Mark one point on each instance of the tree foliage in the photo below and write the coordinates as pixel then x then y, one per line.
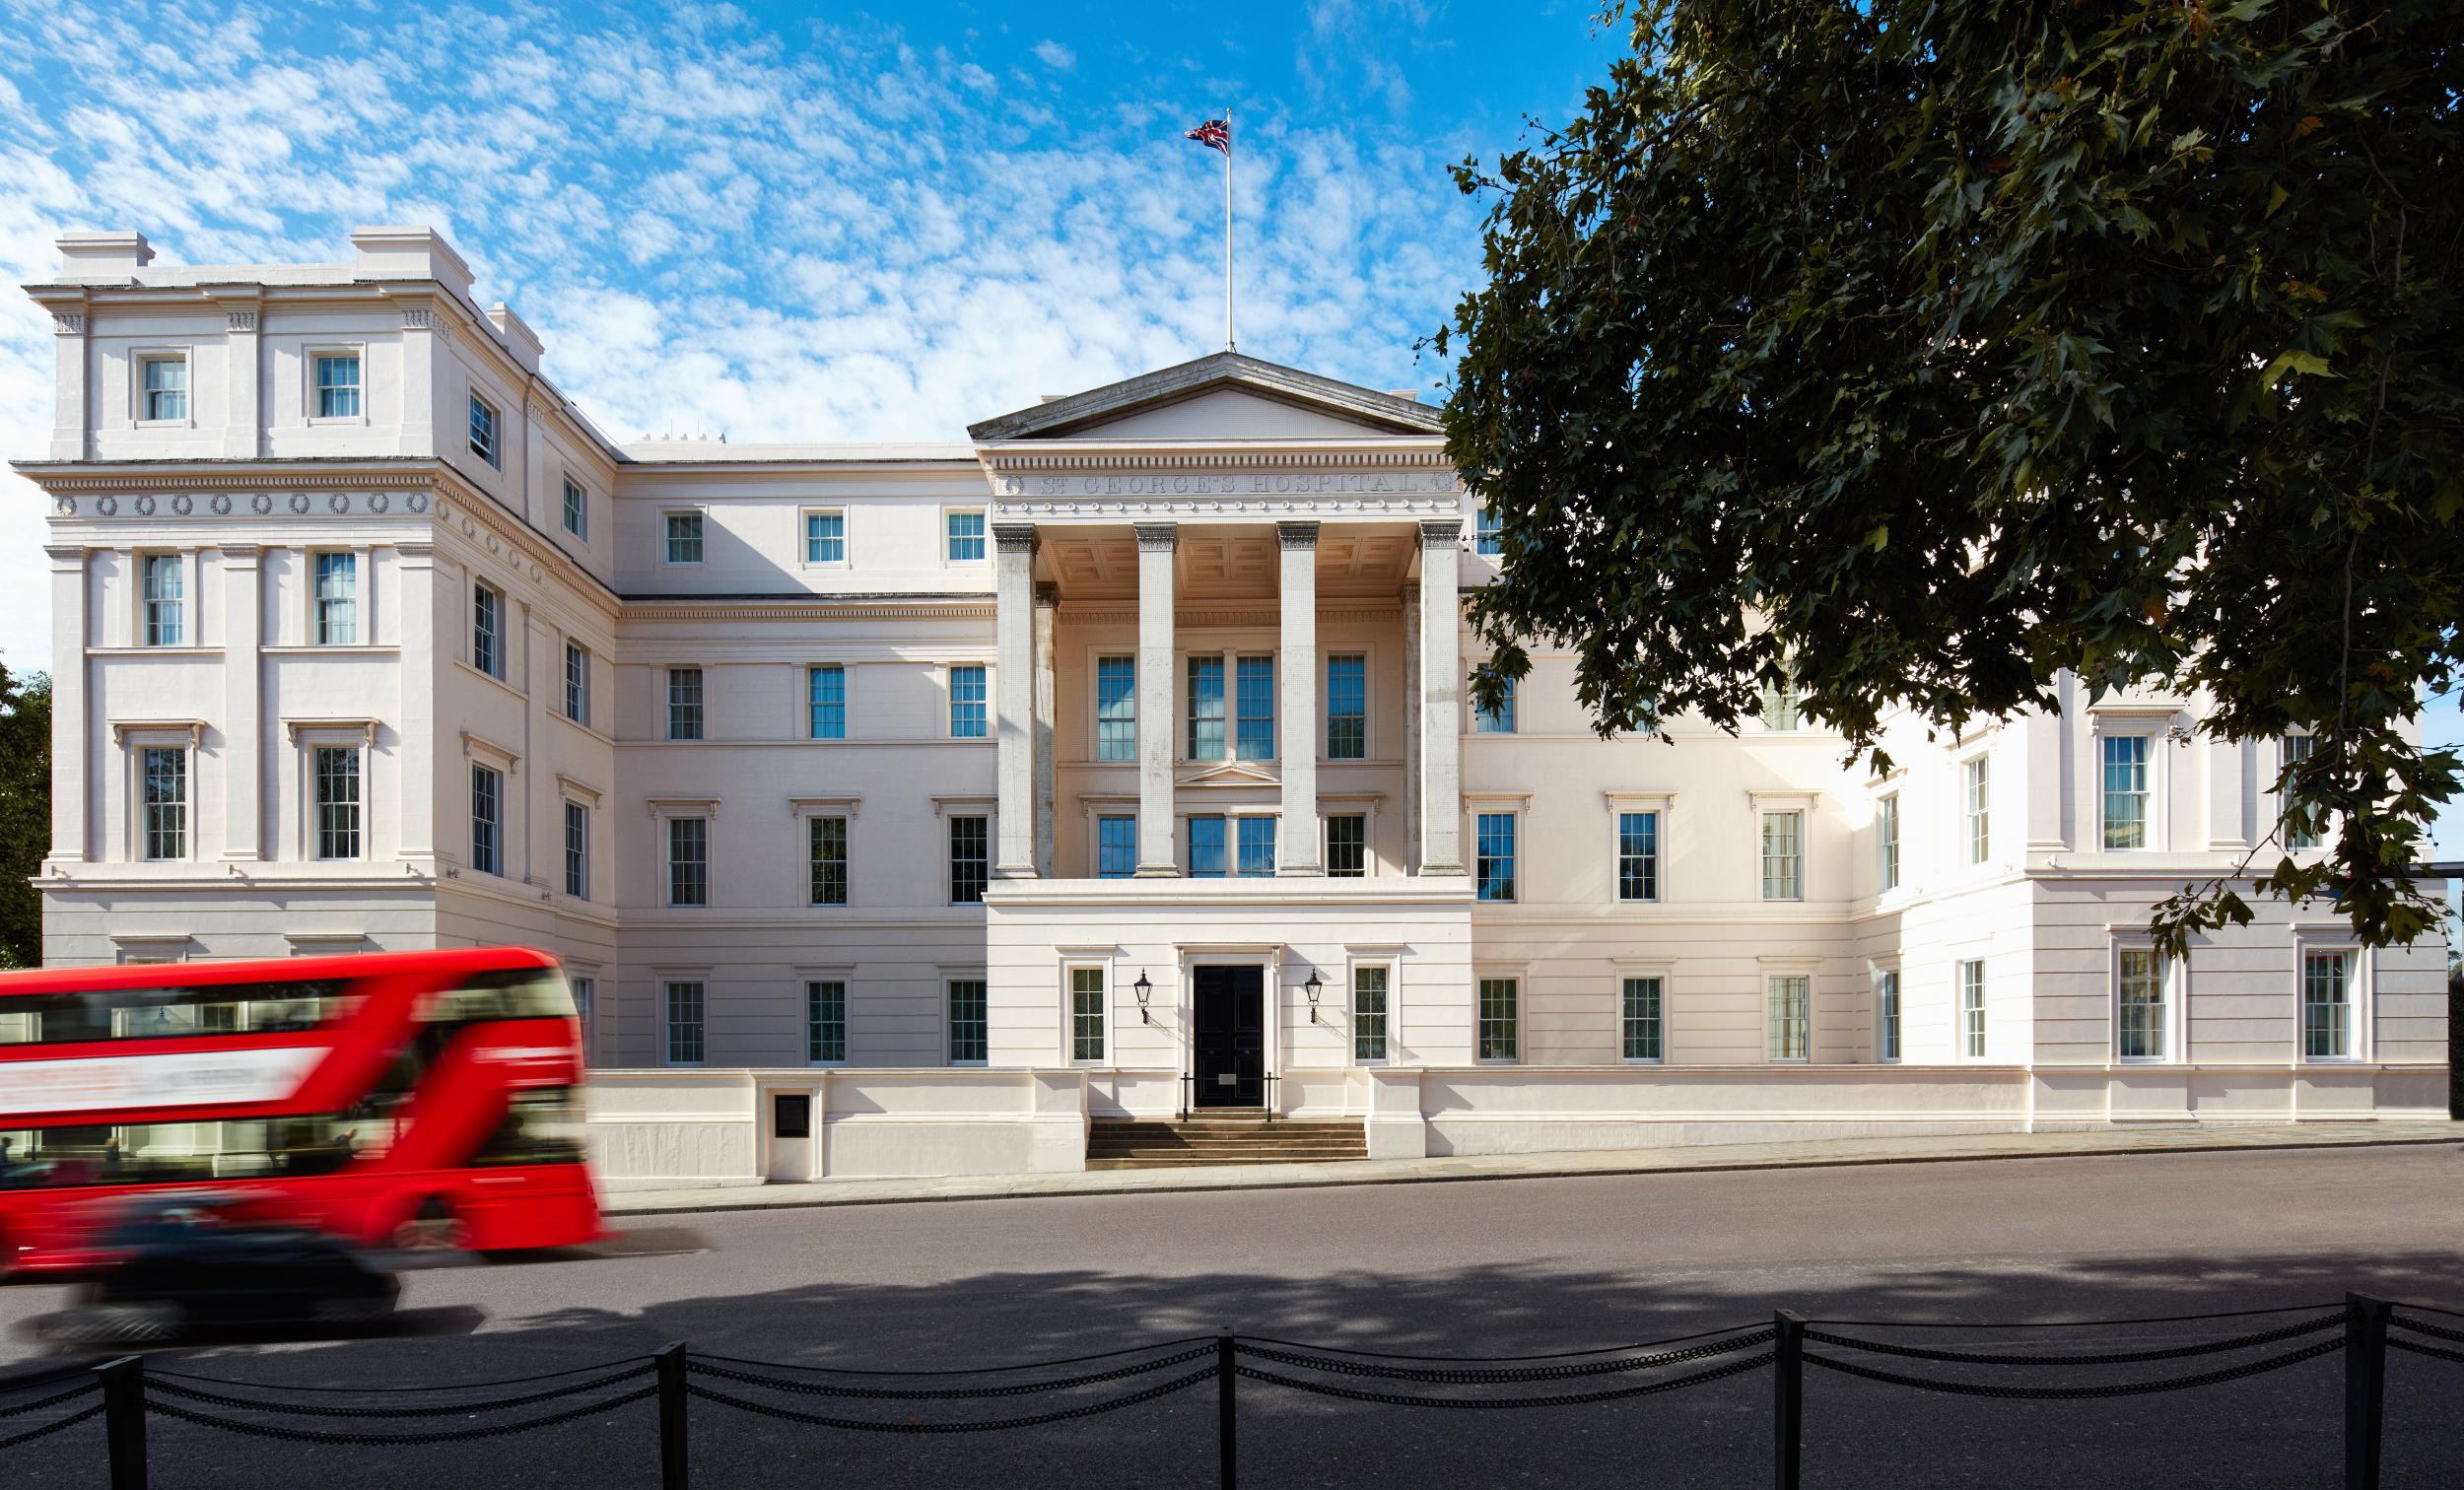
pixel 1931 350
pixel 25 812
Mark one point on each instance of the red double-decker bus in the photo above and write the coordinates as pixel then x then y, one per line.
pixel 412 1100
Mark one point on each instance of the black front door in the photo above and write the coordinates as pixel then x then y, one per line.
pixel 1231 1044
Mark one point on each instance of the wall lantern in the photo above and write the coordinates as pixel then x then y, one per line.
pixel 1315 986
pixel 1144 991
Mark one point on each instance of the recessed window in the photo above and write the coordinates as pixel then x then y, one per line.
pixel 487 820
pixel 1256 837
pixel 1493 856
pixel 825 694
pixel 2124 758
pixel 684 1023
pixel 2326 1005
pixel 1639 1004
pixel 487 629
pixel 1780 708
pixel 1347 845
pixel 1254 734
pixel 1227 723
pixel 337 381
pixel 576 851
pixel 970 1022
pixel 1116 848
pixel 1977 784
pixel 1501 719
pixel 684 704
pixel 163 389
pixel 1206 740
pixel 1115 708
pixel 825 1021
pixel 585 1005
pixel 487 434
pixel 826 838
pixel 1788 1017
pixel 1886 1014
pixel 2139 1022
pixel 1488 533
pixel 163 787
pixel 1347 707
pixel 825 537
pixel 337 599
pixel 1972 1008
pixel 1207 858
pixel 163 581
pixel 576 682
pixel 971 860
pixel 577 509
pixel 2300 828
pixel 1499 1034
pixel 968 716
pixel 966 537
pixel 1638 856
pixel 1783 856
pixel 1887 836
pixel 684 537
pixel 687 861
pixel 1086 1014
pixel 1237 846
pixel 1369 995
pixel 336 769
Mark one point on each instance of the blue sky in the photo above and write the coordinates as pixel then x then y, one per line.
pixel 815 222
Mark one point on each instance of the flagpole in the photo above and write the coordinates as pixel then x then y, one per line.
pixel 1228 343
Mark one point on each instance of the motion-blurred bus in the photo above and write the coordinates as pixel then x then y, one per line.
pixel 415 1100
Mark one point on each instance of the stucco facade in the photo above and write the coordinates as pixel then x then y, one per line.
pixel 889 773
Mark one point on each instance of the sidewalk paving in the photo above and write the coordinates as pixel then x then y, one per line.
pixel 1794 1154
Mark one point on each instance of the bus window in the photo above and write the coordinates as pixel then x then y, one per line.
pixel 143 1153
pixel 542 1125
pixel 100 1014
pixel 515 993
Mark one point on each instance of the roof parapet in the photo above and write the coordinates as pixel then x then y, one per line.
pixel 400 252
pixel 113 255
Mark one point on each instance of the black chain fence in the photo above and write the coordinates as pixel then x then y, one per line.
pixel 126 1394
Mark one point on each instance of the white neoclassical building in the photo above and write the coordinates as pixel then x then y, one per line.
pixel 914 808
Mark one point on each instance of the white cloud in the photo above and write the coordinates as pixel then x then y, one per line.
pixel 1054 55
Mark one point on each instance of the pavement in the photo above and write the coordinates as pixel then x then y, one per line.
pixel 648 1199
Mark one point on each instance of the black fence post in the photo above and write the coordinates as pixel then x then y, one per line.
pixel 1227 1411
pixel 674 1472
pixel 1787 1399
pixel 125 1420
pixel 2364 1388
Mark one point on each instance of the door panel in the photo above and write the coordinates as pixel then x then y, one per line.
pixel 1230 1048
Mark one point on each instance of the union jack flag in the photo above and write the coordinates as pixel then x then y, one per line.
pixel 1214 132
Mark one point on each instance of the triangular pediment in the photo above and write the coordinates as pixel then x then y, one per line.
pixel 1231 774
pixel 1226 396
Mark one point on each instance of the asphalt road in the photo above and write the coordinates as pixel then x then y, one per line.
pixel 1501 1268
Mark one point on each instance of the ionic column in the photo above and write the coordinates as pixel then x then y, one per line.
pixel 69 761
pixel 1046 700
pixel 1441 700
pixel 1296 843
pixel 1154 680
pixel 1013 628
pixel 1412 728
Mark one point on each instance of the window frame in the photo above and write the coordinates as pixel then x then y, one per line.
pixel 949 1021
pixel 2359 1005
pixel 575 857
pixel 141 413
pixel 670 864
pixel 672 675
pixel 491 662
pixel 982 879
pixel 1391 968
pixel 1325 734
pixel 1506 722
pixel 814 704
pixel 951 538
pixel 1653 861
pixel 1481 984
pixel 2150 798
pixel 1773 1025
pixel 1102 818
pixel 1191 720
pixel 576 682
pixel 313 388
pixel 1890 1014
pixel 1793 888
pixel 2294 839
pixel 181 563
pixel 981 701
pixel 318 628
pixel 1512 817
pixel 808 541
pixel 493 861
pixel 1888 840
pixel 669 537
pixel 814 982
pixel 1074 1018
pixel 1627 974
pixel 1975 1024
pixel 492 450
pixel 1124 710
pixel 1325 846
pixel 142 836
pixel 1976 809
pixel 573 514
pixel 1489 532
pixel 317 751
pixel 2165 975
pixel 815 862
pixel 669 989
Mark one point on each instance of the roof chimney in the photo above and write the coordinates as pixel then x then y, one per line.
pixel 517 335
pixel 411 253
pixel 104 255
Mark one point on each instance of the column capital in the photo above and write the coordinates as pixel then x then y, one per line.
pixel 1440 532
pixel 1015 537
pixel 1297 535
pixel 1157 535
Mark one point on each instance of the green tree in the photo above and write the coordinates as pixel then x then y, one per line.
pixel 25 812
pixel 1932 349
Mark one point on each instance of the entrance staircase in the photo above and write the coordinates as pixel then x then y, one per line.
pixel 1226 1135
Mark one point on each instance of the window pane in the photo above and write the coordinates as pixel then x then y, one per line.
pixel 483 431
pixel 969 1031
pixel 337 771
pixel 2297 833
pixel 2140 1004
pixel 1638 856
pixel 1780 708
pixel 1207 848
pixel 1347 845
pixel 827 837
pixel 1347 707
pixel 1115 708
pixel 687 861
pixel 165 774
pixel 1642 1018
pixel 2326 1012
pixel 1116 848
pixel 1501 719
pixel 684 702
pixel 684 1023
pixel 1369 1013
pixel 1256 840
pixel 1887 996
pixel 1487 533
pixel 165 585
pixel 577 509
pixel 1257 696
pixel 825 1020
pixel 167 387
pixel 1783 856
pixel 337 599
pixel 337 387
pixel 966 536
pixel 576 851
pixel 487 631
pixel 968 719
pixel 1979 801
pixel 1494 863
pixel 1497 1033
pixel 1205 708
pixel 684 537
pixel 827 694
pixel 1973 1009
pixel 1790 1017
pixel 1887 830
pixel 577 683
pixel 825 537
pixel 2125 792
pixel 485 800
pixel 971 861
pixel 1086 1014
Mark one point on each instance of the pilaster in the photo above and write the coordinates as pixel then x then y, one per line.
pixel 72 420
pixel 1156 541
pixel 1296 841
pixel 1412 728
pixel 71 799
pixel 242 723
pixel 243 418
pixel 1441 698
pixel 417 705
pixel 1015 669
pixel 1046 699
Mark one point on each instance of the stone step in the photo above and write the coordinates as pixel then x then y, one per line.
pixel 1234 1136
pixel 1180 1162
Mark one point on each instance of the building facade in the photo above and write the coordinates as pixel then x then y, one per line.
pixel 1115 760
